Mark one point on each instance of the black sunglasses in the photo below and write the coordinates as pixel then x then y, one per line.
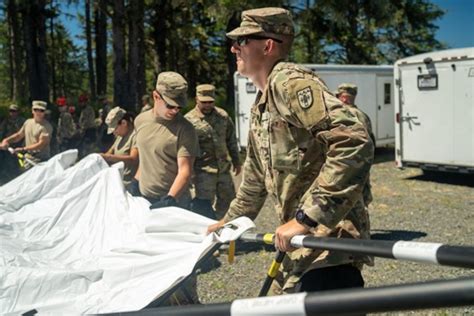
pixel 13 111
pixel 243 40
pixel 39 110
pixel 171 107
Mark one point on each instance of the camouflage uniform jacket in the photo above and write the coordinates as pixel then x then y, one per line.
pixel 66 127
pixel 10 126
pixel 217 140
pixel 365 119
pixel 306 150
pixel 87 118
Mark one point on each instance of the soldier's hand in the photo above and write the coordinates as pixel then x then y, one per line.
pixel 4 144
pixel 18 150
pixel 212 228
pixel 237 169
pixel 285 232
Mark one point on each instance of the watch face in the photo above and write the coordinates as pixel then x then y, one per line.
pixel 299 216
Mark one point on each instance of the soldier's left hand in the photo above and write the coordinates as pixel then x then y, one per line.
pixel 285 232
pixel 18 150
pixel 237 169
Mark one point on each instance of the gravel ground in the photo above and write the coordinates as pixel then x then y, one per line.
pixel 408 205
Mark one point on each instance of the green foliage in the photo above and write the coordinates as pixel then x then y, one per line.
pixel 194 43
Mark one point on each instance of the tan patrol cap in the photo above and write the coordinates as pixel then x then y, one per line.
pixel 173 88
pixel 113 118
pixel 13 107
pixel 264 20
pixel 348 88
pixel 40 105
pixel 206 92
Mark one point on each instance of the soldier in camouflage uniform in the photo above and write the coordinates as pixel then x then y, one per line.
pixel 66 126
pixel 347 92
pixel 8 127
pixel 307 151
pixel 212 181
pixel 87 127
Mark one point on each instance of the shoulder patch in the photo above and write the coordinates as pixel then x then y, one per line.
pixel 305 97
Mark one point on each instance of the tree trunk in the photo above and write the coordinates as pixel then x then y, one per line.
pixel 136 48
pixel 90 60
pixel 35 44
pixel 234 22
pixel 101 46
pixel 160 33
pixel 53 59
pixel 119 61
pixel 17 91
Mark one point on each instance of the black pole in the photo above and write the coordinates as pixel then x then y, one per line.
pixel 272 272
pixel 432 294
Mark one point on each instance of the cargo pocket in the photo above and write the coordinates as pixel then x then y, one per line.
pixel 284 148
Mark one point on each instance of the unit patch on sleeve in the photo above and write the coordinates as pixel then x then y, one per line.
pixel 305 97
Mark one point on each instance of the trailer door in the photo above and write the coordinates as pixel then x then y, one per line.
pixel 244 98
pixel 426 119
pixel 385 111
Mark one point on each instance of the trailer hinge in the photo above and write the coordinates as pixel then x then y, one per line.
pixel 397 82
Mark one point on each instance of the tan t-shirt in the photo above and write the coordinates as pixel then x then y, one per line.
pixel 160 142
pixel 32 131
pixel 123 146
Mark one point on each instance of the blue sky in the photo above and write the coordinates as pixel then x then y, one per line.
pixel 456 28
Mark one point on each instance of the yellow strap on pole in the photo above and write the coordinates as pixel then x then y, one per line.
pixel 231 252
pixel 21 161
pixel 268 239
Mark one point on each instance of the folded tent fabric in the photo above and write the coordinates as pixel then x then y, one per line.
pixel 94 248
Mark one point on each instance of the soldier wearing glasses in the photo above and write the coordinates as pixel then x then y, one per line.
pixel 306 150
pixel 167 145
pixel 37 132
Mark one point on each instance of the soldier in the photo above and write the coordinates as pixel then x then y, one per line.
pixel 9 126
pixel 37 133
pixel 306 150
pixel 347 92
pixel 66 126
pixel 87 126
pixel 167 146
pixel 12 123
pixel 145 103
pixel 212 181
pixel 120 123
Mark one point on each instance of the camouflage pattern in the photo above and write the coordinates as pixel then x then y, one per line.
pixel 348 88
pixel 10 126
pixel 306 150
pixel 219 150
pixel 66 128
pixel 87 118
pixel 262 21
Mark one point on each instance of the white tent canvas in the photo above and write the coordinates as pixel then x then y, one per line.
pixel 77 242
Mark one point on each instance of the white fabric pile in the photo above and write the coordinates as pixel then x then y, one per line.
pixel 72 240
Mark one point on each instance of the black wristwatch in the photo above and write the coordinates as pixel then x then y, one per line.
pixel 304 219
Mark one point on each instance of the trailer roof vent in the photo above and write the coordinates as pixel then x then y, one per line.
pixel 428 60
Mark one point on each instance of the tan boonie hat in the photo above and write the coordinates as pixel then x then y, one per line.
pixel 113 118
pixel 173 88
pixel 264 20
pixel 40 105
pixel 13 107
pixel 206 92
pixel 348 88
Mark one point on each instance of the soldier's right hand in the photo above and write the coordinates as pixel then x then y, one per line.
pixel 4 144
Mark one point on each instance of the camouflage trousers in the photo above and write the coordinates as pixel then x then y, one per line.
pixel 216 187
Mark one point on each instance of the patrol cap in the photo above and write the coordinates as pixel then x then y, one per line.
pixel 13 107
pixel 348 88
pixel 40 105
pixel 113 118
pixel 206 92
pixel 173 88
pixel 264 20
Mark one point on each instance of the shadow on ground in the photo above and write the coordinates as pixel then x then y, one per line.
pixel 384 154
pixel 383 234
pixel 445 178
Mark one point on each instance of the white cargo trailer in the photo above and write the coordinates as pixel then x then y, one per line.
pixel 434 104
pixel 375 96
